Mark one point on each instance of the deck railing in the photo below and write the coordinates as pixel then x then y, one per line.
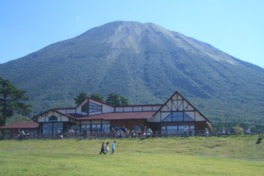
pixel 101 135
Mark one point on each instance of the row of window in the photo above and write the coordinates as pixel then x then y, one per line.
pixel 178 129
pixel 91 107
pixel 98 127
pixel 177 117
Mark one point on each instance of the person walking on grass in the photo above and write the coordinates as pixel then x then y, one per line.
pixel 113 147
pixel 102 149
pixel 106 150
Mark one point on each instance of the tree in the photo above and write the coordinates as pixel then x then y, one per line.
pixel 114 99
pixel 80 97
pixel 239 130
pixel 123 100
pixel 96 96
pixel 11 101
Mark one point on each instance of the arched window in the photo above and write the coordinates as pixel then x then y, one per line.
pixel 53 118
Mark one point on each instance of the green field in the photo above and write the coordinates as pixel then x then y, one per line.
pixel 217 156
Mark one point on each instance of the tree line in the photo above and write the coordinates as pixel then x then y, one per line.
pixel 13 100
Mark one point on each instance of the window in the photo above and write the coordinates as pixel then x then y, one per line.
pixel 52 129
pixel 85 108
pixel 106 127
pixel 137 128
pixel 178 129
pixel 187 118
pixel 171 129
pixel 85 127
pixel 57 128
pixel 93 107
pixel 96 127
pixel 53 118
pixel 177 117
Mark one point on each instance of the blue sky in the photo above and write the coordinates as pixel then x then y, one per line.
pixel 233 26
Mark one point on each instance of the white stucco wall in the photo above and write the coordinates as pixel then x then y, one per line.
pixel 45 117
pixel 107 109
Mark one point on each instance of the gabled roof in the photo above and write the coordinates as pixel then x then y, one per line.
pixel 177 93
pixel 87 99
pixel 119 116
pixel 20 125
pixel 54 110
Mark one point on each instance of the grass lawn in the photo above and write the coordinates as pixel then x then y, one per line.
pixel 217 156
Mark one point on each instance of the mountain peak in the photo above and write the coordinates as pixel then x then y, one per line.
pixel 130 35
pixel 142 61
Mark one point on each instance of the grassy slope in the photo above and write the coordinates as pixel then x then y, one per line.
pixel 173 156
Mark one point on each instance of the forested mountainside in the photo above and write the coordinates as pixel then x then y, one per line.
pixel 146 63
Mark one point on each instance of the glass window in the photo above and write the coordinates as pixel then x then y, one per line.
pixel 174 117
pixel 187 117
pixel 53 118
pixel 136 127
pixel 167 118
pixel 171 129
pixel 106 128
pixel 177 117
pixel 182 128
pixel 85 127
pixel 163 129
pixel 96 127
pixel 93 107
pixel 52 129
pixel 85 107
pixel 191 130
pixel 47 129
pixel 57 128
pixel 178 129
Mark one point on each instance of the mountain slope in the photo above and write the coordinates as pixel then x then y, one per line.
pixel 144 62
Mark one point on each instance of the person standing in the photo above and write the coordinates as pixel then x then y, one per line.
pixel 113 147
pixel 206 131
pixel 102 149
pixel 106 148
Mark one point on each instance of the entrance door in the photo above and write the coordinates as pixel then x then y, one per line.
pixel 50 130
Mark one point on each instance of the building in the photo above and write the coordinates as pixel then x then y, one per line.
pixel 20 130
pixel 173 117
pixel 177 116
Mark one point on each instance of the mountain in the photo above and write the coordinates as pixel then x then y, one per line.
pixel 144 62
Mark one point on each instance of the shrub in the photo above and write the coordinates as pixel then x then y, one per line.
pixel 239 130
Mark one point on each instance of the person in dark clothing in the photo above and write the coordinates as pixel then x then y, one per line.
pixel 102 149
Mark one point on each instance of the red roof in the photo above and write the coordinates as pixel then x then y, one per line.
pixel 22 125
pixel 119 116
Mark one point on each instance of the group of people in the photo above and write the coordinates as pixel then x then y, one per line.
pixel 24 135
pixel 124 132
pixel 105 148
